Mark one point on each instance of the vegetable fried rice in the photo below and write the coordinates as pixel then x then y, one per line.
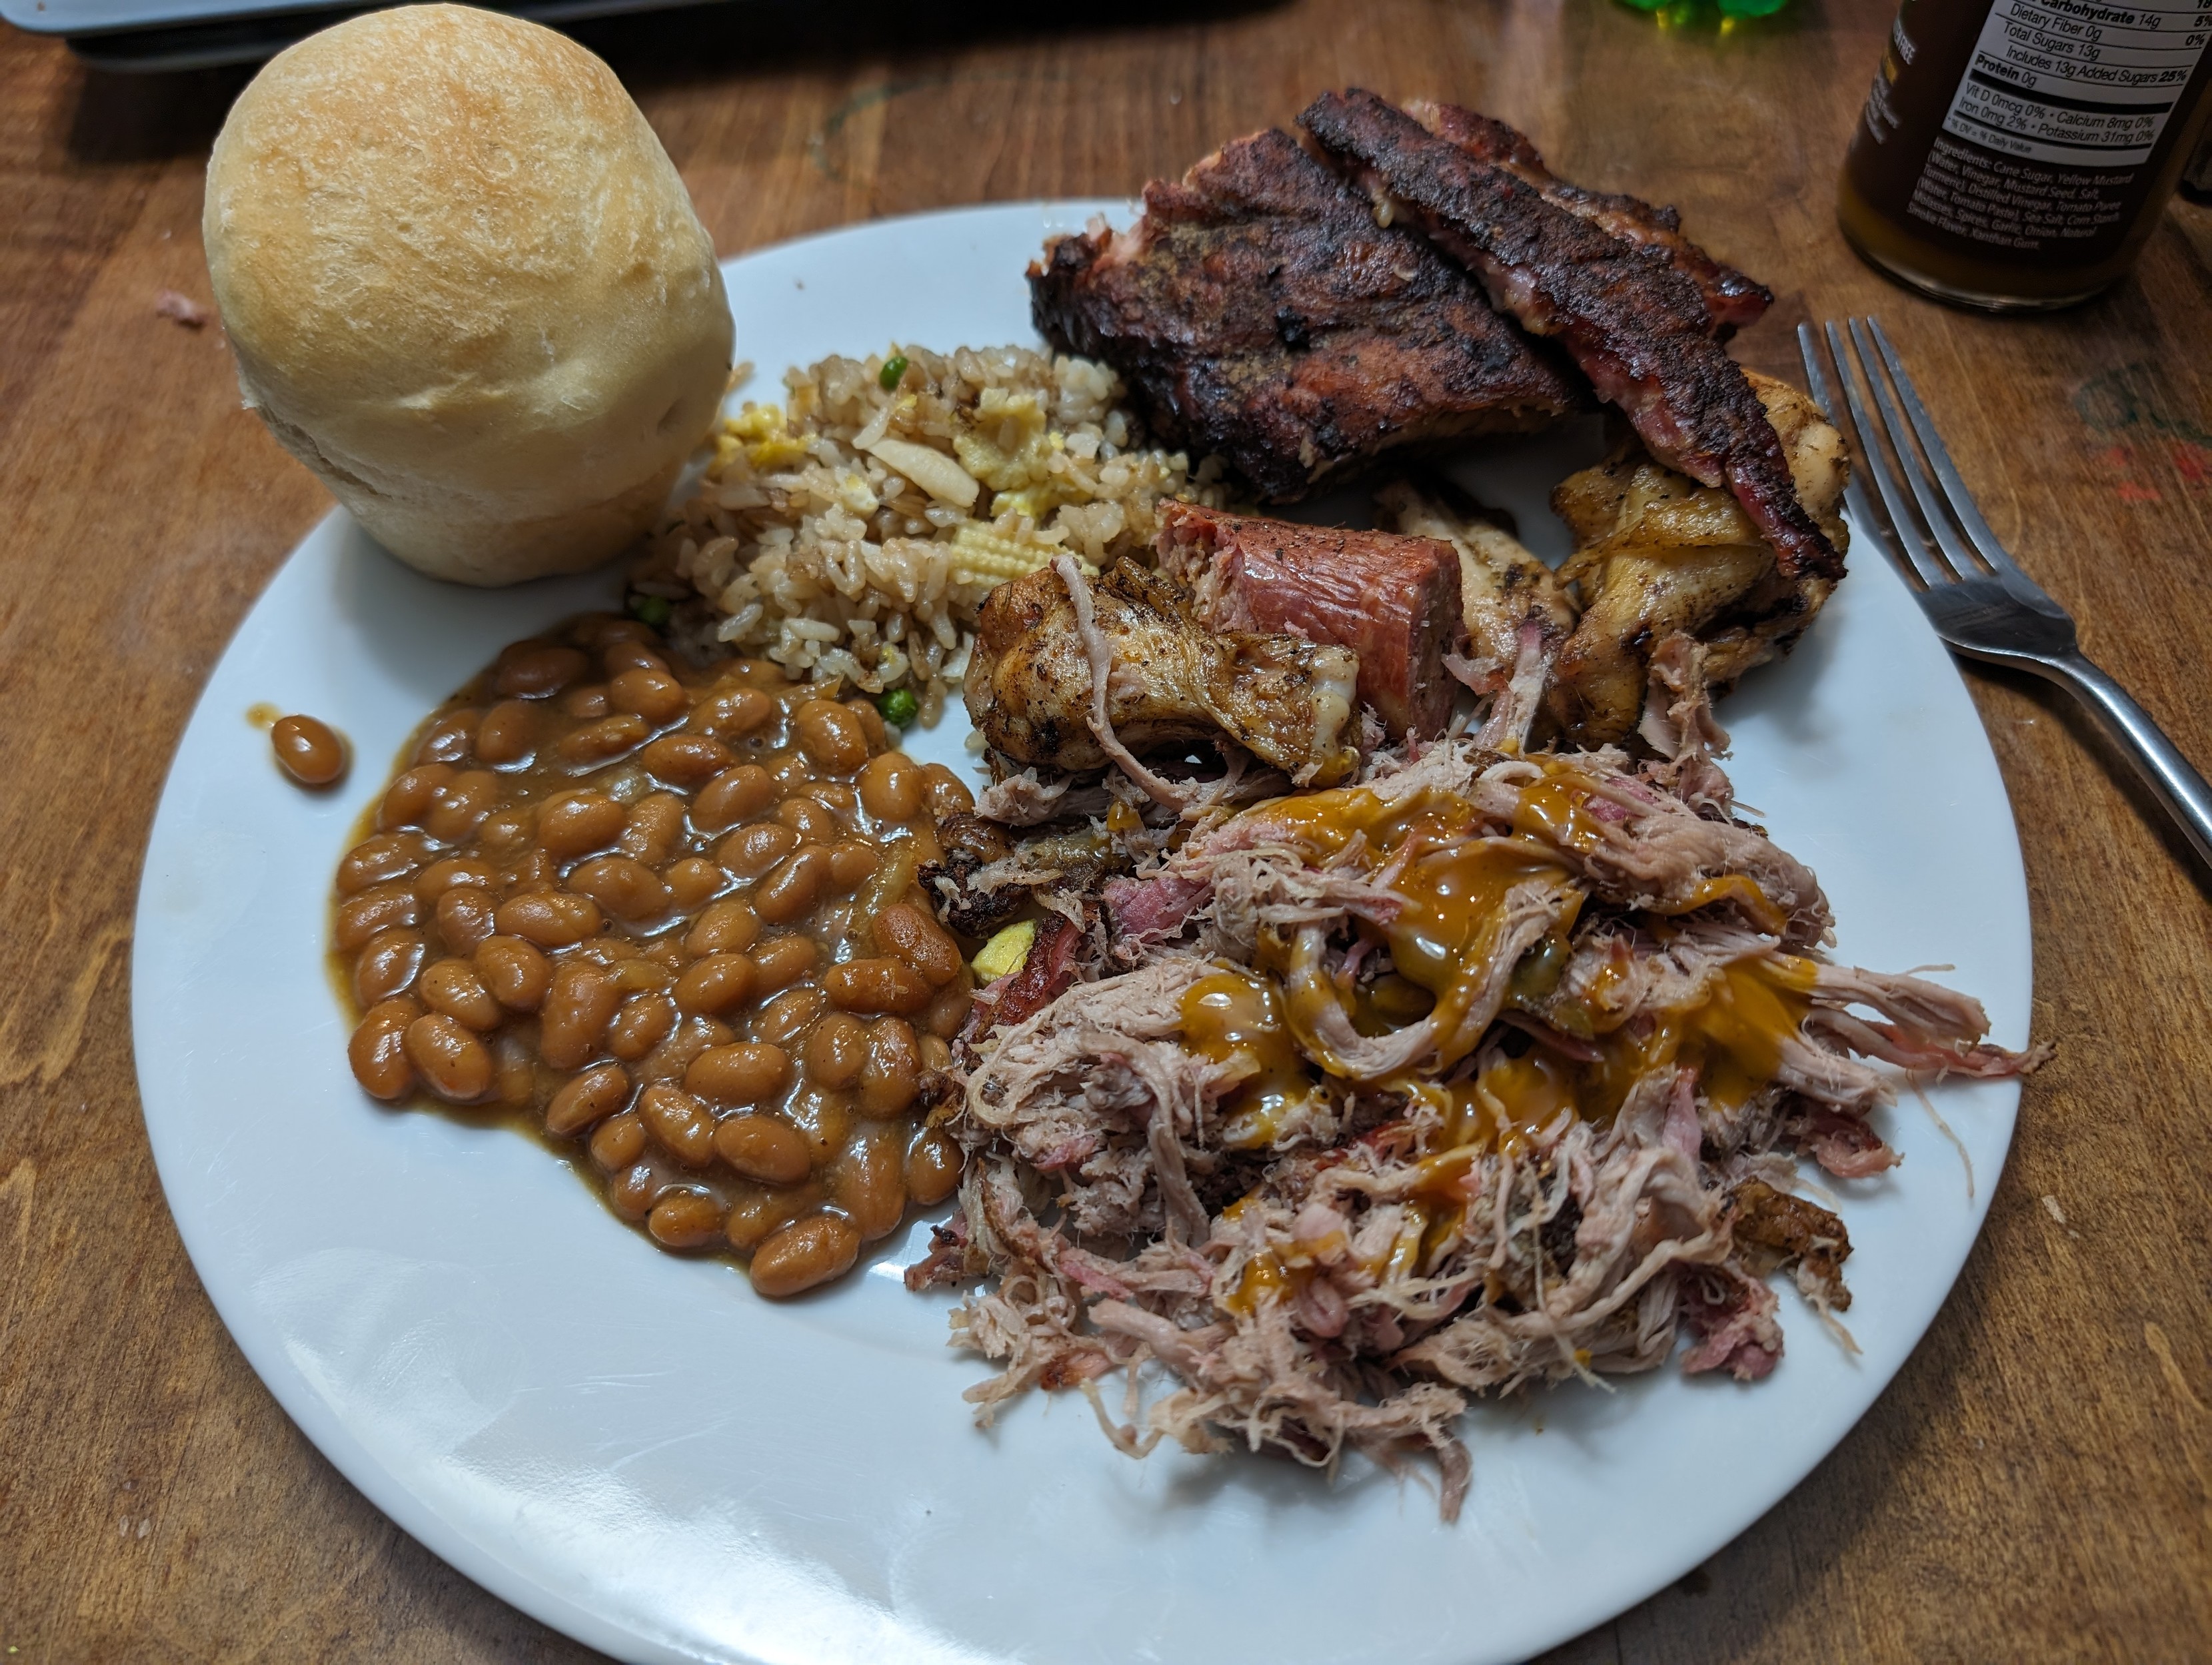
pixel 850 532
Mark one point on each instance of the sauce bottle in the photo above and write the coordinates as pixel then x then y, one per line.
pixel 2013 154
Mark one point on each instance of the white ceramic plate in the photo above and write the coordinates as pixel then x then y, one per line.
pixel 644 1455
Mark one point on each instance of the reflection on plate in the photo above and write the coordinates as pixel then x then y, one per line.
pixel 641 1453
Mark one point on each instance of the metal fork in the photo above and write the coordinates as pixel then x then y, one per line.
pixel 1972 591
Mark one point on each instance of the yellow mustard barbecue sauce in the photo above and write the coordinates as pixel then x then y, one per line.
pixel 1271 1021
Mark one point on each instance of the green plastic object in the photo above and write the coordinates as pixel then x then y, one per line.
pixel 1685 14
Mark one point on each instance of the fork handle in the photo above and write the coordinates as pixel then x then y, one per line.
pixel 2171 775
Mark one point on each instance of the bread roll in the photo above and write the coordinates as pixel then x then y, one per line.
pixel 465 286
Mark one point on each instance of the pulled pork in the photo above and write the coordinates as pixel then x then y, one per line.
pixel 1480 1074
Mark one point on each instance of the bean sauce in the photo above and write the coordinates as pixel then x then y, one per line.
pixel 666 918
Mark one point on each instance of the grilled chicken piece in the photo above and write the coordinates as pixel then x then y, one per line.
pixel 1730 297
pixel 1045 644
pixel 1657 554
pixel 1639 328
pixel 1257 310
pixel 1501 584
pixel 1393 600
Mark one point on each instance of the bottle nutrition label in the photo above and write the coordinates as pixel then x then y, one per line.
pixel 2077 83
pixel 2016 154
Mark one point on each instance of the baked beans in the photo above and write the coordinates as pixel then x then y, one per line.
pixel 667 918
pixel 307 750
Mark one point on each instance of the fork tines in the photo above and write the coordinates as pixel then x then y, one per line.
pixel 1980 603
pixel 1931 527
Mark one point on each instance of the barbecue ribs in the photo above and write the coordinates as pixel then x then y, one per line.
pixel 1257 310
pixel 1639 328
pixel 1730 297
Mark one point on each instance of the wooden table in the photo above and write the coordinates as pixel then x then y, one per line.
pixel 2038 1482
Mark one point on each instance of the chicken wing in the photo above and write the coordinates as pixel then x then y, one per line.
pixel 1657 554
pixel 1500 582
pixel 1044 642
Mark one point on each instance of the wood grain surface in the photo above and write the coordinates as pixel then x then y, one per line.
pixel 2037 1485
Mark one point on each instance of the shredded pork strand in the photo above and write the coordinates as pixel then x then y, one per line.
pixel 1100 654
pixel 1343 1273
